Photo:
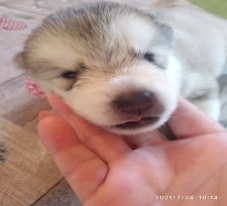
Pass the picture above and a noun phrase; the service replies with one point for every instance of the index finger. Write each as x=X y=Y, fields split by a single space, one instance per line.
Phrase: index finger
x=188 y=121
x=106 y=145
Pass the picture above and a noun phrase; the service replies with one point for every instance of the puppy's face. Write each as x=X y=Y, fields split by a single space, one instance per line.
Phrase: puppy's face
x=111 y=63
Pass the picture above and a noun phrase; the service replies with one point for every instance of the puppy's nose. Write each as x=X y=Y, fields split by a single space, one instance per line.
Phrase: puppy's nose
x=135 y=103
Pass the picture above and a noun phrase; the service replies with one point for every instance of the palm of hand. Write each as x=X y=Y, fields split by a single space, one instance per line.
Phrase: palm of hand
x=167 y=170
x=103 y=169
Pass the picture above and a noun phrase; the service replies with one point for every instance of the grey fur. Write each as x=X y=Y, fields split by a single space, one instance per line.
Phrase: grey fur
x=222 y=80
x=88 y=26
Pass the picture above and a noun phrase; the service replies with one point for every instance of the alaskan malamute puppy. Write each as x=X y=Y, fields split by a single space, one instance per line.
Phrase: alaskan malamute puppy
x=123 y=69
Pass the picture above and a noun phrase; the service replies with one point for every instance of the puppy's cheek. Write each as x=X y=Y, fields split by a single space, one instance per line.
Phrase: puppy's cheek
x=90 y=104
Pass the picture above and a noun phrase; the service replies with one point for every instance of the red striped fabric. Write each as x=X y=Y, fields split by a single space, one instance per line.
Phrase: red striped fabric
x=10 y=24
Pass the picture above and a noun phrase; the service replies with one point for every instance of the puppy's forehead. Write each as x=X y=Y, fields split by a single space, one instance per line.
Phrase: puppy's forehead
x=139 y=33
x=92 y=33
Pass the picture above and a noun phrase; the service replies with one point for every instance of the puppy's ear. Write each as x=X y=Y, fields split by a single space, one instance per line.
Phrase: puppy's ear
x=167 y=31
x=18 y=60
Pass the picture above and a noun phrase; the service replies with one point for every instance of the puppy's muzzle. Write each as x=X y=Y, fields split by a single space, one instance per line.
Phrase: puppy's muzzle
x=136 y=103
x=142 y=107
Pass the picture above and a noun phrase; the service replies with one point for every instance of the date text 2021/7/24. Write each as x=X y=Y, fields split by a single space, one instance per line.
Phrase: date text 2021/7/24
x=185 y=197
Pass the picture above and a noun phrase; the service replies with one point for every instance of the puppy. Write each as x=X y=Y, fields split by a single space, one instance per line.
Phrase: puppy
x=123 y=69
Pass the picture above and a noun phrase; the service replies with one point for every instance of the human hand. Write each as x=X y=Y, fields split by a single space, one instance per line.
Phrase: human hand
x=108 y=170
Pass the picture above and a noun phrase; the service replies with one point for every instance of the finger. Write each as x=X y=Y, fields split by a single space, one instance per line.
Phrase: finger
x=83 y=170
x=106 y=145
x=188 y=121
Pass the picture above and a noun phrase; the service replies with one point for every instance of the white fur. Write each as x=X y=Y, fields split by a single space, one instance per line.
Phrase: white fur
x=135 y=31
x=210 y=107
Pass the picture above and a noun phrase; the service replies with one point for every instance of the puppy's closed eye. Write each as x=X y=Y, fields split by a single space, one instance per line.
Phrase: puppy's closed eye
x=149 y=57
x=69 y=74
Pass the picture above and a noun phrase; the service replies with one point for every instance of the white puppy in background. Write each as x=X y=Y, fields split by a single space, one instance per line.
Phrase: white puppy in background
x=122 y=69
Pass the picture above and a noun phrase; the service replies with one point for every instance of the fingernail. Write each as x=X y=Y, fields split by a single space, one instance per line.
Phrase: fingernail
x=44 y=114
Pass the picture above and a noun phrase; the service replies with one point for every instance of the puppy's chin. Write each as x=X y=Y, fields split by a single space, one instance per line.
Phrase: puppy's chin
x=132 y=131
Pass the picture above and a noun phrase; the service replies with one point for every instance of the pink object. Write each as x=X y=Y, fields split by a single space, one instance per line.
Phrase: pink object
x=34 y=89
x=10 y=24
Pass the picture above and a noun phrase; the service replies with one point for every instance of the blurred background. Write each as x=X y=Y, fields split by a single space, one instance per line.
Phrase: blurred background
x=218 y=7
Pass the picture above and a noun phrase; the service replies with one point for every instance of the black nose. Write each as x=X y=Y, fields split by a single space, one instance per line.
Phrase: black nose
x=135 y=102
